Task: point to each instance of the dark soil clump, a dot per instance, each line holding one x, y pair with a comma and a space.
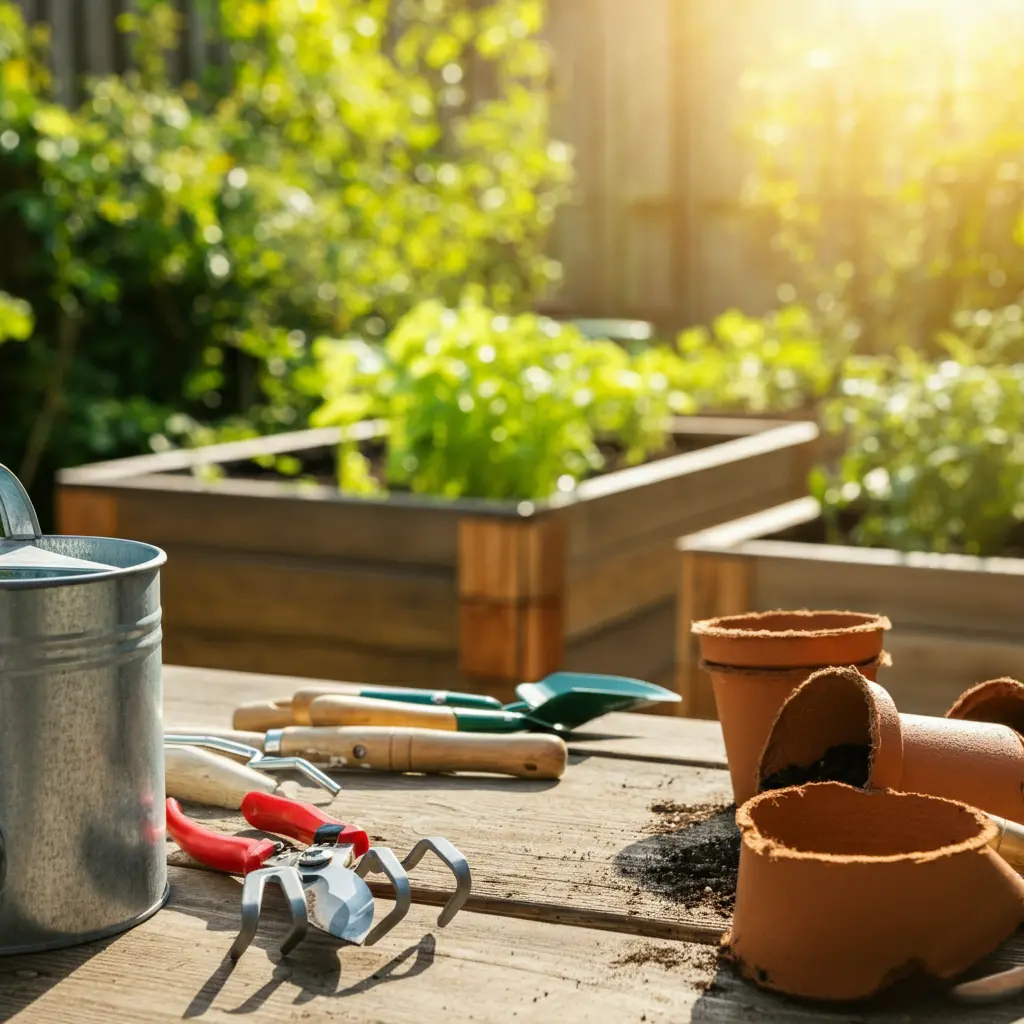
848, 762
692, 857
703, 958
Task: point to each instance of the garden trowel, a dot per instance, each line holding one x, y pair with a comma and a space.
559, 703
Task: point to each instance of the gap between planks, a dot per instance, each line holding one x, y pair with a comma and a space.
547, 913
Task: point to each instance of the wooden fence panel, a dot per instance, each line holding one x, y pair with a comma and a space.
646, 93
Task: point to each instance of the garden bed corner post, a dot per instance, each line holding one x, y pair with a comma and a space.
512, 583
711, 586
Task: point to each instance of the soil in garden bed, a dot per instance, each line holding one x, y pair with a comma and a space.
692, 857
319, 465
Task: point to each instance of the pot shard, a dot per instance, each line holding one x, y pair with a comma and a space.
978, 763
842, 892
748, 702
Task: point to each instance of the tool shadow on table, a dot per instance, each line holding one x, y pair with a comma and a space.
28, 977
317, 968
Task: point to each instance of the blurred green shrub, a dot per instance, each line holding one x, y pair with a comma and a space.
888, 190
179, 246
776, 363
485, 405
935, 454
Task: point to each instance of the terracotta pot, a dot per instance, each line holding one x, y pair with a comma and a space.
842, 892
748, 701
785, 640
998, 700
979, 763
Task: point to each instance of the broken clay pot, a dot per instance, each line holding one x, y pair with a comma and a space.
842, 892
787, 640
998, 700
748, 701
979, 763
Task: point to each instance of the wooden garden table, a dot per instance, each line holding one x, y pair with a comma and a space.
553, 931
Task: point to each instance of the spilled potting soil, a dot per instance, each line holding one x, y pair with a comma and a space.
847, 762
692, 856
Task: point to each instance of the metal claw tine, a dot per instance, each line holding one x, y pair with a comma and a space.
300, 764
458, 864
380, 858
252, 902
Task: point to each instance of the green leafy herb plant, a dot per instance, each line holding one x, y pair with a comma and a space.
485, 405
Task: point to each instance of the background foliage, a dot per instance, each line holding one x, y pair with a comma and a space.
179, 246
889, 180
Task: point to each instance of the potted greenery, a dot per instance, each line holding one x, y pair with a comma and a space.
485, 496
920, 520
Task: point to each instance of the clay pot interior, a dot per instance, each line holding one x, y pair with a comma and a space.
791, 639
829, 819
833, 712
840, 726
843, 892
998, 700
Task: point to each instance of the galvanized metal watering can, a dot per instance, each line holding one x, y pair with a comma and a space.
81, 733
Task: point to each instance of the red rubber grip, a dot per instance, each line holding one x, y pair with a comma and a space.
286, 817
234, 855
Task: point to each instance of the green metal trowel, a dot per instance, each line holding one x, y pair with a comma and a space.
559, 703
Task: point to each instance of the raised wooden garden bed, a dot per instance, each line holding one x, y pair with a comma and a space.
956, 620
283, 577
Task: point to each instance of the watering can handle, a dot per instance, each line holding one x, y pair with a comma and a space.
18, 518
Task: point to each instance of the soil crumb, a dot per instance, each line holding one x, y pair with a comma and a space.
702, 958
848, 762
692, 857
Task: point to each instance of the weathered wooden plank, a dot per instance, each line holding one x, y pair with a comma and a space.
371, 531
556, 850
642, 646
478, 968
313, 658
569, 851
87, 512
608, 587
99, 37
204, 696
298, 598
941, 592
691, 491
511, 594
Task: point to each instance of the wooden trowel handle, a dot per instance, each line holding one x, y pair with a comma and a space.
203, 777
261, 715
1009, 843
524, 755
338, 710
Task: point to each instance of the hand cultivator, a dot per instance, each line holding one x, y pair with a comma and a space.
324, 882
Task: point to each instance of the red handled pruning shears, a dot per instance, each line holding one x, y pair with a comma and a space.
323, 883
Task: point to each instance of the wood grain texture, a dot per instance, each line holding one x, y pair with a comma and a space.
480, 968
511, 583
87, 513
294, 598
570, 851
315, 659
431, 751
201, 776
955, 620
711, 585
197, 697
284, 576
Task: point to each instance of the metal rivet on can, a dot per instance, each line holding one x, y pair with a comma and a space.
359, 751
